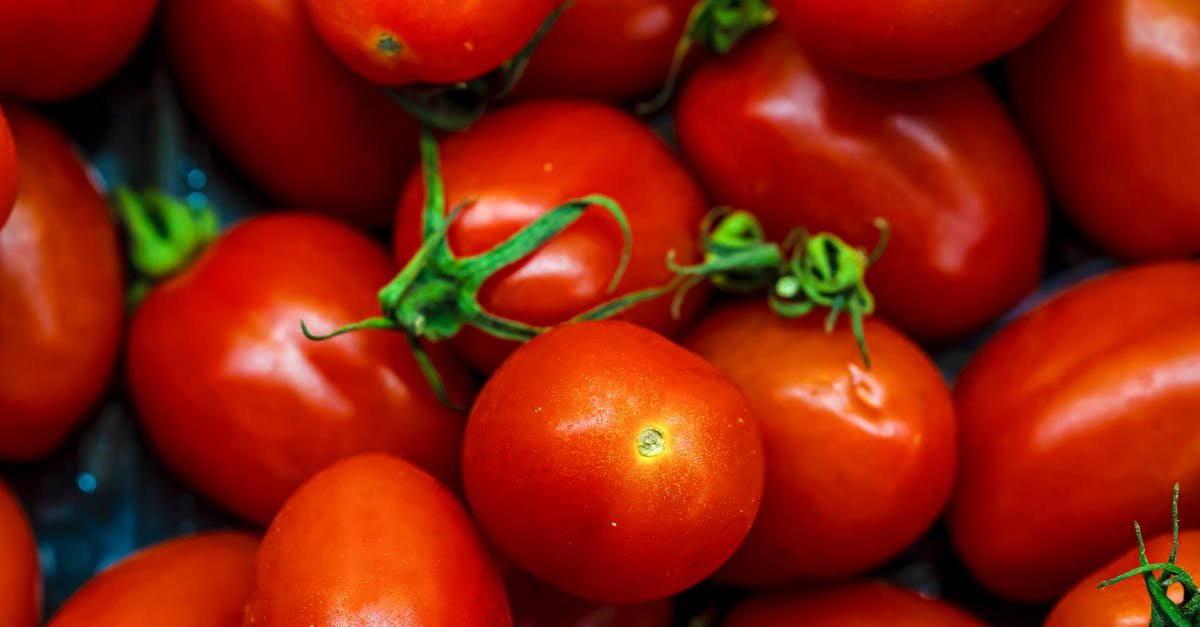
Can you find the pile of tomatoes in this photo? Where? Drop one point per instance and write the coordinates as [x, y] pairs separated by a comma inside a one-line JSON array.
[[504, 342]]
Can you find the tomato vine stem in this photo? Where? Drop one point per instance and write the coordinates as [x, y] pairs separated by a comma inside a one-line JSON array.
[[165, 235]]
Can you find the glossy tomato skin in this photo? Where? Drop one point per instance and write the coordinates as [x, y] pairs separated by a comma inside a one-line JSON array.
[[198, 581], [865, 604], [375, 540], [242, 405], [1107, 95], [57, 49], [913, 39], [517, 164], [20, 575], [61, 293], [802, 145], [536, 604], [558, 476], [8, 171], [1059, 414], [298, 123], [608, 49], [837, 436], [397, 42]]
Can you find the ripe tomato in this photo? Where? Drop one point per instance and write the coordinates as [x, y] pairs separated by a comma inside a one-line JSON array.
[[20, 578], [200, 581], [242, 405], [803, 145], [1108, 94], [300, 125], [565, 152], [61, 294], [1075, 420], [536, 604], [608, 49], [398, 42], [1126, 603], [374, 540], [58, 49], [8, 171], [866, 604], [837, 436], [611, 463], [913, 39]]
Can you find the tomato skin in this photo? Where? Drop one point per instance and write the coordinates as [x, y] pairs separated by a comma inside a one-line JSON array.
[[536, 604], [803, 145], [608, 49], [1057, 425], [58, 49], [555, 477], [339, 145], [1106, 94], [242, 405], [439, 41], [197, 581], [566, 152], [8, 171], [61, 286], [913, 39], [20, 575], [836, 435], [864, 604], [375, 540]]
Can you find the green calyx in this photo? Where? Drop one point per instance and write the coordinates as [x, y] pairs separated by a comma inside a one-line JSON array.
[[1163, 611], [165, 235]]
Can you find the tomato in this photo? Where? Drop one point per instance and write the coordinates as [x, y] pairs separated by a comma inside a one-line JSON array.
[[20, 578], [8, 171], [242, 405], [1075, 420], [536, 604], [58, 49], [517, 164], [913, 39], [836, 436], [1127, 602], [61, 294], [398, 42], [374, 540], [300, 125], [608, 49], [199, 581], [1107, 94], [799, 144], [865, 604], [611, 463]]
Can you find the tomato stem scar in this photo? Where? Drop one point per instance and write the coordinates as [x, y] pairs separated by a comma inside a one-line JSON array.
[[388, 44], [651, 442]]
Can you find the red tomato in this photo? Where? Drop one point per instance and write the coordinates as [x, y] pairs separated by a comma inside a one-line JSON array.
[[1077, 419], [802, 145], [306, 129], [20, 576], [200, 581], [566, 151], [611, 463], [866, 604], [8, 171], [1127, 603], [1109, 95], [58, 49], [536, 604], [610, 49], [61, 287], [398, 42], [373, 540], [242, 405], [836, 436]]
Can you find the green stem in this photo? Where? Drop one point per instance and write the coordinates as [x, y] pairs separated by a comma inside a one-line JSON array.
[[165, 235]]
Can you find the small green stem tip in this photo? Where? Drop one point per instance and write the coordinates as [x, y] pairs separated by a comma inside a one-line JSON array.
[[165, 234]]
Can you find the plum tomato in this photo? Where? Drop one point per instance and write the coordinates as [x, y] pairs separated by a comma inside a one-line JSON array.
[[836, 437], [536, 604], [517, 164], [307, 130], [20, 576], [1074, 421], [1108, 95], [400, 42], [802, 145], [865, 604], [61, 293], [374, 540], [611, 463], [8, 171], [245, 408]]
